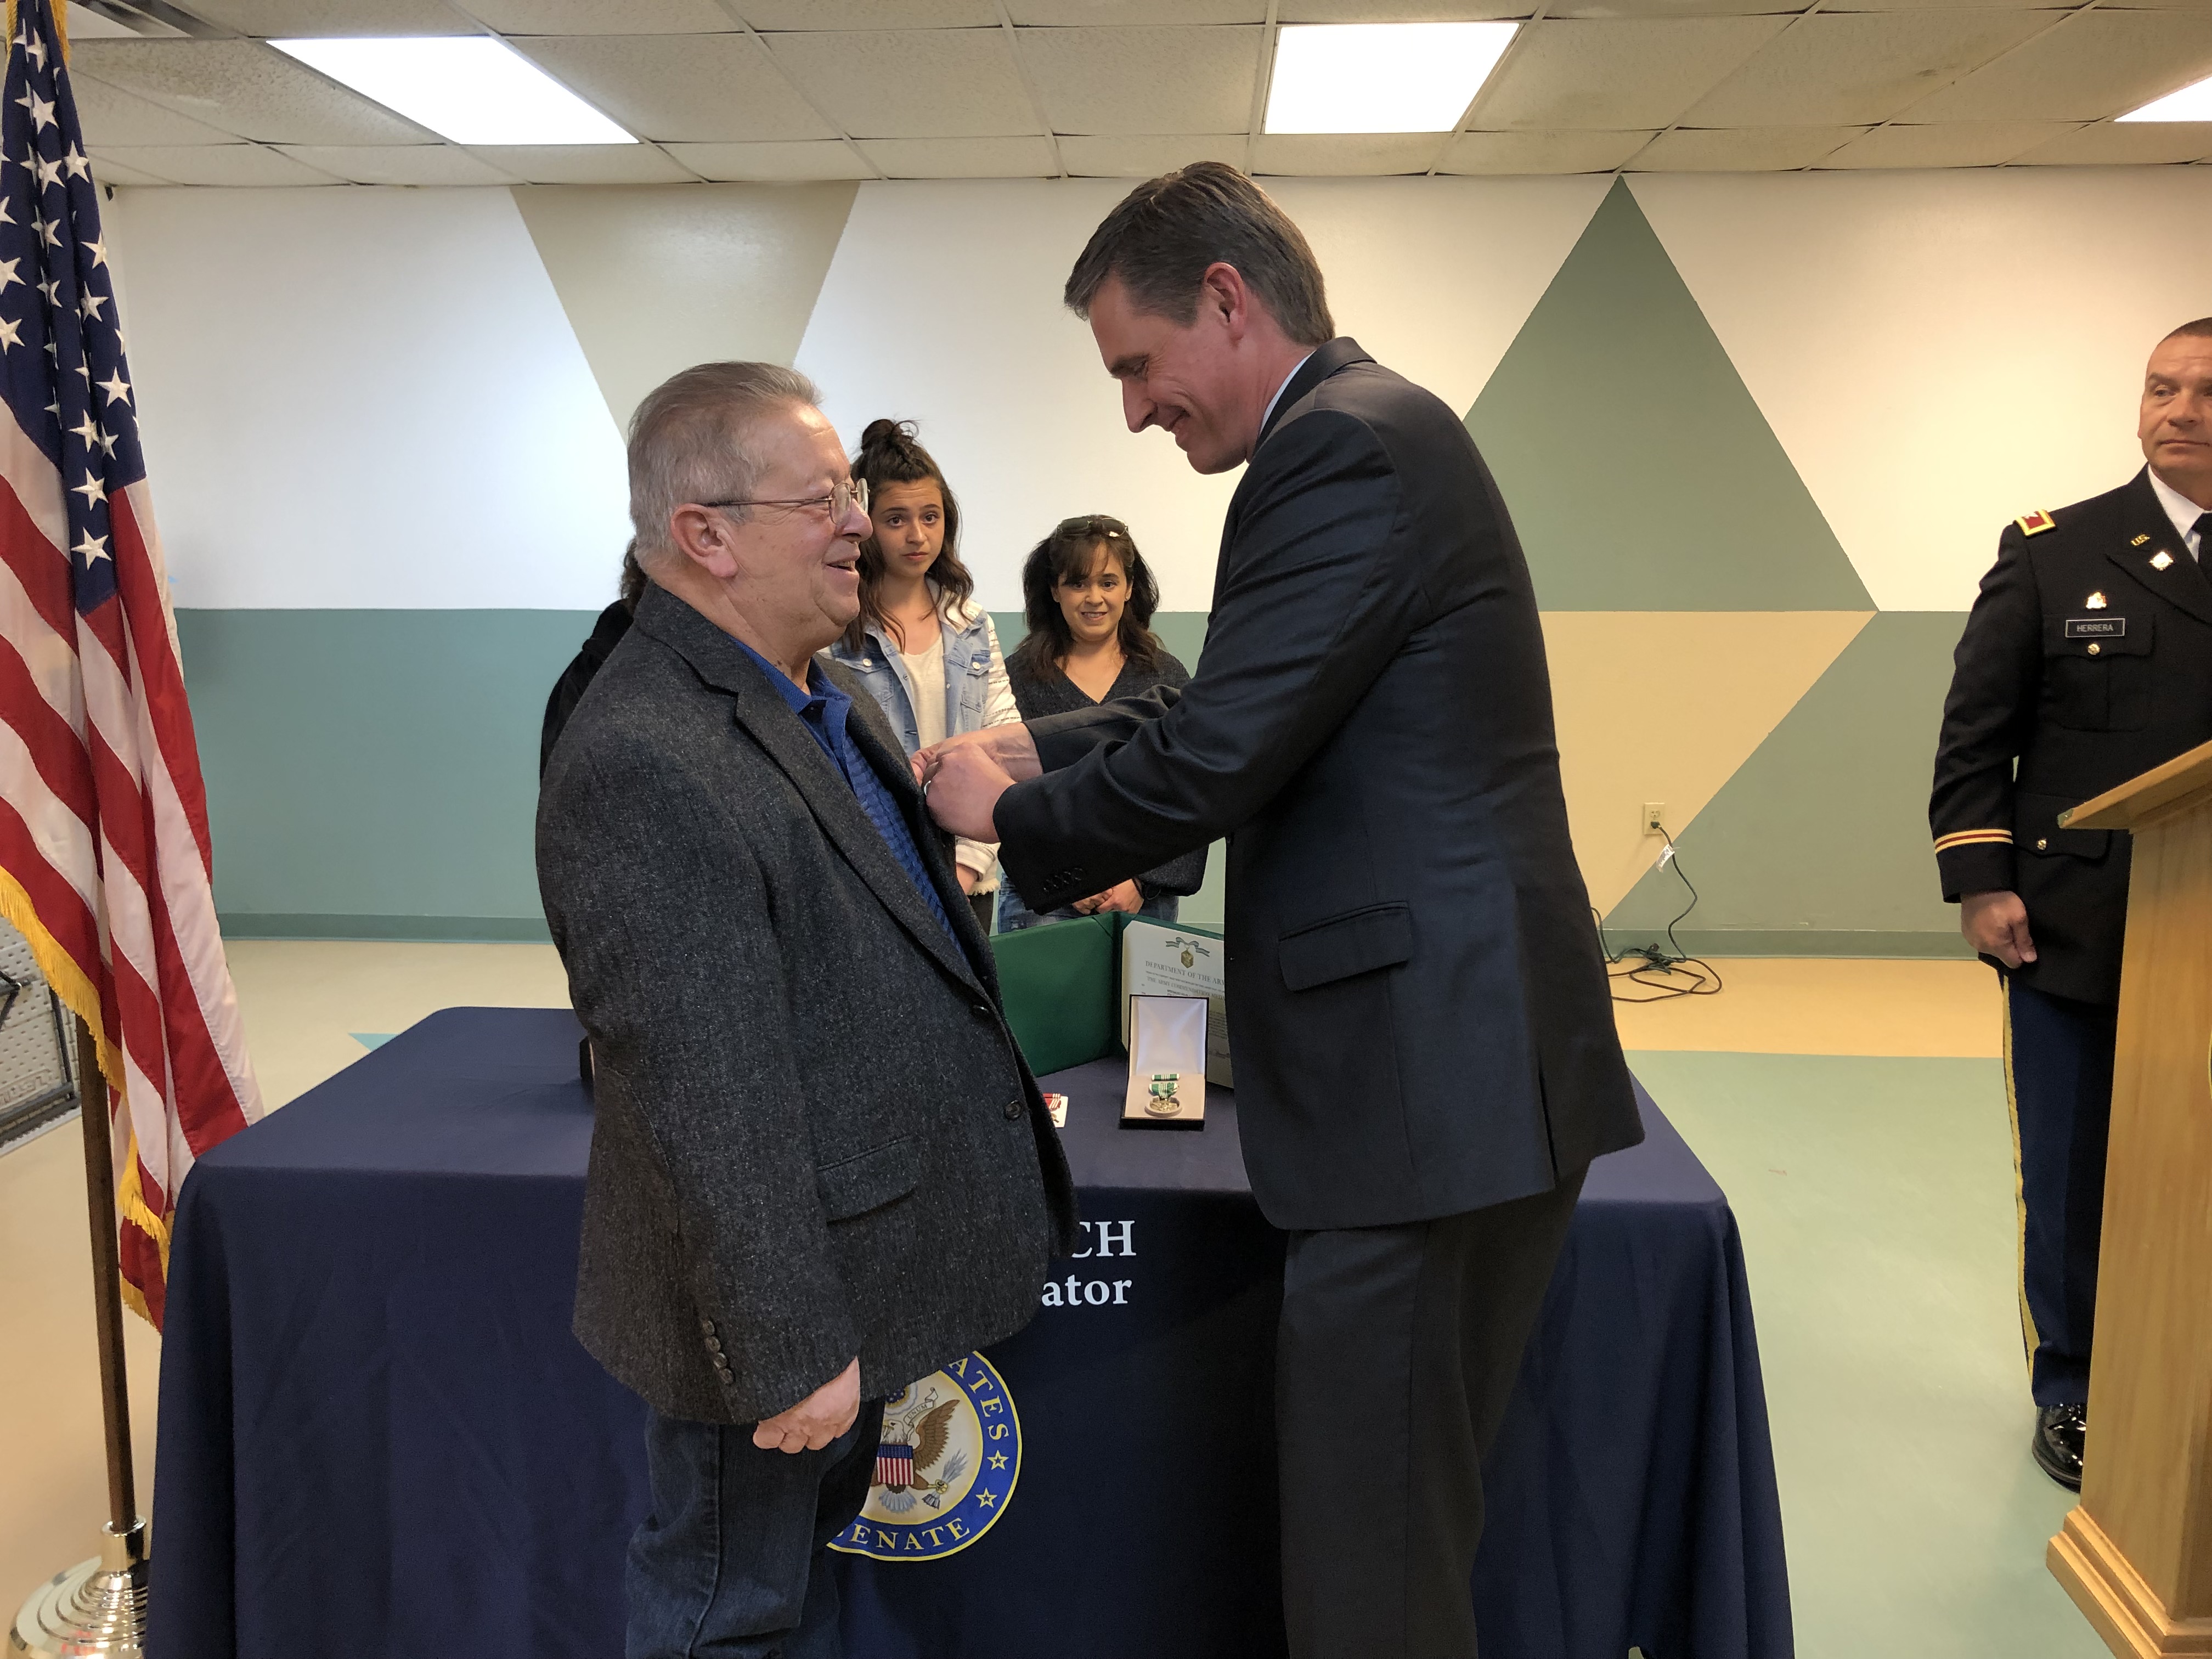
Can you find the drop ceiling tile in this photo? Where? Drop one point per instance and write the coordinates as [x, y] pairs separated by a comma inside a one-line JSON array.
[[1118, 82], [1616, 75], [1955, 5], [962, 158], [398, 164], [912, 84], [1659, 11], [2136, 144], [1569, 151], [286, 19], [699, 88], [1149, 157], [1946, 144], [829, 158], [582, 164], [1743, 150], [1399, 11], [110, 115], [110, 171], [1116, 13], [83, 24], [1860, 67], [1338, 154], [598, 17], [252, 90], [215, 164], [767, 15], [2093, 65]]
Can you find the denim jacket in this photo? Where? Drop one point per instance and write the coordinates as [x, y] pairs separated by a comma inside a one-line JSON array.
[[975, 692]]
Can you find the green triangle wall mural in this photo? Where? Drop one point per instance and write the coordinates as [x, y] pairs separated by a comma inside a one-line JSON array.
[[1821, 836], [1641, 474]]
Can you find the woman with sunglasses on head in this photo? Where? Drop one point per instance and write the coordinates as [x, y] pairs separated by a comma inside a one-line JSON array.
[[926, 652], [1091, 596]]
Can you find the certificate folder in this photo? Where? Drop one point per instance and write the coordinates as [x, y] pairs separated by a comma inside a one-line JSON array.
[[1170, 962]]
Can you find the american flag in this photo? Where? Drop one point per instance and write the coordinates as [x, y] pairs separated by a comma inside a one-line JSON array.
[[104, 855], [894, 1467]]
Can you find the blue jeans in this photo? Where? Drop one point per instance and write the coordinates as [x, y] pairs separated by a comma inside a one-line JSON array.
[[1014, 915], [731, 1562]]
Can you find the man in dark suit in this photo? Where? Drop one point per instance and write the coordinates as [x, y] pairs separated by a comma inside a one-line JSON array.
[[1423, 1041], [2087, 659], [820, 1168]]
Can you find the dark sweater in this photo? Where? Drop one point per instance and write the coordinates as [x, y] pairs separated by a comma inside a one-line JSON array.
[[1052, 693]]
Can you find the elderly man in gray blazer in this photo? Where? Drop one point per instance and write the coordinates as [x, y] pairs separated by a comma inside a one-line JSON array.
[[821, 1168]]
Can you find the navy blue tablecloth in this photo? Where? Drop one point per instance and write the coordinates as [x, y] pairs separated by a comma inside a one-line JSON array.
[[379, 1438]]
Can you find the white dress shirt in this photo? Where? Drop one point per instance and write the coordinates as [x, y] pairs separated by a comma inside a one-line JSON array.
[[1268, 414], [2184, 512]]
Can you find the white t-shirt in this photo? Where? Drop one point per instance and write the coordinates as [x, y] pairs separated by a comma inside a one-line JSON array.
[[925, 672]]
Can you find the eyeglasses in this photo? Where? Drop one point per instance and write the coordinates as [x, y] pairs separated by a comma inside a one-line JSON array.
[[841, 499]]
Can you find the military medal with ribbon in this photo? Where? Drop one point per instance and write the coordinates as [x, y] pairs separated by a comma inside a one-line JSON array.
[[1164, 1102]]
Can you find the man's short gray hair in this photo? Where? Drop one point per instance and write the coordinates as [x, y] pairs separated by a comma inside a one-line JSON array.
[[687, 442]]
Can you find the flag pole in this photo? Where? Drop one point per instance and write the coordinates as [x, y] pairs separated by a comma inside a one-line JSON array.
[[99, 1606]]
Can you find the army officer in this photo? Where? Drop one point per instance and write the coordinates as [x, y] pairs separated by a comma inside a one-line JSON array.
[[2087, 659]]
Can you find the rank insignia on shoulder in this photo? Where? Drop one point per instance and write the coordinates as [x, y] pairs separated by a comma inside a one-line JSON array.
[[2138, 541], [2159, 559], [2095, 602], [2035, 523]]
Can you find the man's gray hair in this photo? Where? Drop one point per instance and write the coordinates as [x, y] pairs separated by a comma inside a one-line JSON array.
[[687, 442]]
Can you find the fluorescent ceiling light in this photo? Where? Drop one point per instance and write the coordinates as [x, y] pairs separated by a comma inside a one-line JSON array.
[[467, 87], [2190, 104], [1380, 77]]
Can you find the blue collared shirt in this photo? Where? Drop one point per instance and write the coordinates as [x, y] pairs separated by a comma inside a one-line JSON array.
[[824, 709]]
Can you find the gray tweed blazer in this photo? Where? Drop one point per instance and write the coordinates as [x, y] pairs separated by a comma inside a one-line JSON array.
[[815, 1137]]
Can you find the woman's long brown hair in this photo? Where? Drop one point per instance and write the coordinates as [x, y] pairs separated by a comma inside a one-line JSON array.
[[889, 454], [1066, 555]]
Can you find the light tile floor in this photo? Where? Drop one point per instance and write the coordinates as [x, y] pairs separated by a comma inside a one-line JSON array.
[[1853, 1111]]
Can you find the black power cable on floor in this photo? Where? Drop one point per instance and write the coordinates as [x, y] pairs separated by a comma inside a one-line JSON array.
[[1661, 973]]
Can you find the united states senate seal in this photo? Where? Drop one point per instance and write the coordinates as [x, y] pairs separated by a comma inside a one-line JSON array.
[[946, 1466]]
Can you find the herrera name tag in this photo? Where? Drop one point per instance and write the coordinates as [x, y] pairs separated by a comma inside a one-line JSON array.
[[2095, 628]]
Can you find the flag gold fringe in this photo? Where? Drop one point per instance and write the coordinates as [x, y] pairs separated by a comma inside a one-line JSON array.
[[77, 995], [61, 25], [131, 1205], [61, 972]]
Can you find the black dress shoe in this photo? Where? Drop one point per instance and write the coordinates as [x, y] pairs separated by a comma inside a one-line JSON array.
[[2059, 1432]]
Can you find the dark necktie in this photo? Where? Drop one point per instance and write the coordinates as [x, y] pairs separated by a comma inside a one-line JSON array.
[[2203, 531]]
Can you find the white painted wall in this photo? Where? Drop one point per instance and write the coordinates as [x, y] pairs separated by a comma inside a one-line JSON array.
[[1939, 352], [373, 398], [943, 305], [364, 399]]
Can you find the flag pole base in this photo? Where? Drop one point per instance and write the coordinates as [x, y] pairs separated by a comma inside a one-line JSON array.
[[97, 1607]]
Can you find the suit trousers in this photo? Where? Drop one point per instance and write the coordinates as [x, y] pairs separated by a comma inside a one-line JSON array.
[[2058, 1074], [1398, 1351], [732, 1561]]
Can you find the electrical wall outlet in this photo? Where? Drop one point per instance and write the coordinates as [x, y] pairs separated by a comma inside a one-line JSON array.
[[1655, 818]]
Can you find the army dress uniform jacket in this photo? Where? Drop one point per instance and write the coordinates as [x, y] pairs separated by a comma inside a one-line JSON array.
[[814, 1137], [2087, 659]]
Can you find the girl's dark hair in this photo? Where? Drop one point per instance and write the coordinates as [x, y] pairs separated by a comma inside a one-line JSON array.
[[632, 578], [1066, 555], [889, 455]]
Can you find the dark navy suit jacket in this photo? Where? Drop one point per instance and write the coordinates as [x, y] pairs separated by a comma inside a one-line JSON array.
[[1417, 1001]]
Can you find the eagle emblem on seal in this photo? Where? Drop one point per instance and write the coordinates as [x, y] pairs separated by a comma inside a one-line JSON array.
[[914, 1444], [947, 1458]]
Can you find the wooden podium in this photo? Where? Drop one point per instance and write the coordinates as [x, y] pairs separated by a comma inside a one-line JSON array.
[[2135, 1554]]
